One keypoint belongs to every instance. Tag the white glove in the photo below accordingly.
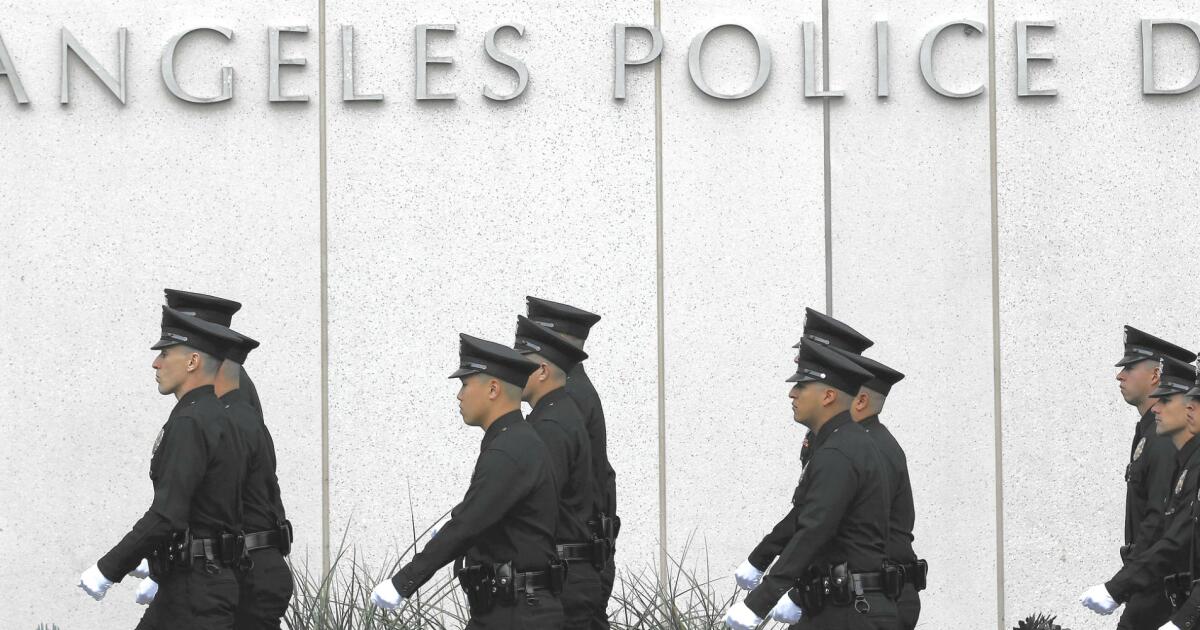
(146, 592)
(740, 617)
(1098, 600)
(786, 611)
(386, 596)
(94, 583)
(142, 571)
(748, 576)
(1170, 625)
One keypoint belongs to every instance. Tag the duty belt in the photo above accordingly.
(597, 553)
(263, 540)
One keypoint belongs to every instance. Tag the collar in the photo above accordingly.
(835, 423)
(500, 426)
(870, 422)
(191, 397)
(1188, 450)
(553, 396)
(1146, 421)
(234, 396)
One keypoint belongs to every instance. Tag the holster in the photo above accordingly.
(838, 588)
(893, 580)
(558, 576)
(604, 533)
(1177, 587)
(175, 553)
(285, 538)
(231, 548)
(812, 592)
(478, 583)
(916, 574)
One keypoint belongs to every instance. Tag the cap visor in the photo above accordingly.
(461, 372)
(164, 342)
(800, 378)
(1193, 392)
(1132, 358)
(1163, 392)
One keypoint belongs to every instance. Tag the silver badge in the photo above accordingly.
(1179, 484)
(1137, 452)
(158, 440)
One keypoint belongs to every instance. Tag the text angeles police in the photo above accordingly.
(115, 80)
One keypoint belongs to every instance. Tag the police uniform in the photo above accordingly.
(578, 323)
(502, 533)
(189, 533)
(1168, 555)
(903, 512)
(821, 329)
(558, 421)
(1187, 613)
(265, 582)
(1148, 479)
(841, 518)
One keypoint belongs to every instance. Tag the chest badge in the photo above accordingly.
(1179, 484)
(158, 440)
(1137, 452)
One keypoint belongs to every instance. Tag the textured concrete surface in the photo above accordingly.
(911, 261)
(743, 237)
(1097, 228)
(444, 216)
(100, 208)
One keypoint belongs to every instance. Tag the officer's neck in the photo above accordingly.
(1144, 406)
(192, 382)
(817, 422)
(1181, 437)
(540, 392)
(499, 411)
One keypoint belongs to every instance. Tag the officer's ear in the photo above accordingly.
(861, 401)
(829, 397)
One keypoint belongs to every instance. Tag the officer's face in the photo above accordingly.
(1137, 381)
(1193, 411)
(1171, 414)
(171, 368)
(473, 399)
(805, 401)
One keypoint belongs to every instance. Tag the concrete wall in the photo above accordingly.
(992, 246)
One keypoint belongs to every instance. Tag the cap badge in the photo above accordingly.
(177, 337)
(477, 366)
(821, 340)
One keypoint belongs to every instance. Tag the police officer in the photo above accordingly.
(505, 524)
(1148, 476)
(560, 424)
(1148, 567)
(1187, 614)
(575, 324)
(190, 531)
(265, 581)
(865, 411)
(821, 329)
(830, 573)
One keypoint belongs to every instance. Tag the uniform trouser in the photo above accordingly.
(881, 616)
(908, 607)
(545, 613)
(264, 591)
(607, 577)
(195, 598)
(1147, 610)
(583, 599)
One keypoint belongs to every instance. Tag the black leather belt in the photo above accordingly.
(576, 551)
(263, 540)
(870, 582)
(531, 581)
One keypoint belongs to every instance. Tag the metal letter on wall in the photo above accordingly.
(1148, 86)
(348, 93)
(168, 69)
(808, 33)
(620, 60)
(1023, 57)
(423, 61)
(505, 59)
(275, 62)
(9, 71)
(883, 81)
(760, 78)
(69, 43)
(927, 58)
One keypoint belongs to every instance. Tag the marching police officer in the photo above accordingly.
(560, 424)
(502, 533)
(1148, 567)
(831, 572)
(865, 410)
(265, 582)
(1148, 475)
(190, 531)
(821, 329)
(1187, 613)
(574, 324)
